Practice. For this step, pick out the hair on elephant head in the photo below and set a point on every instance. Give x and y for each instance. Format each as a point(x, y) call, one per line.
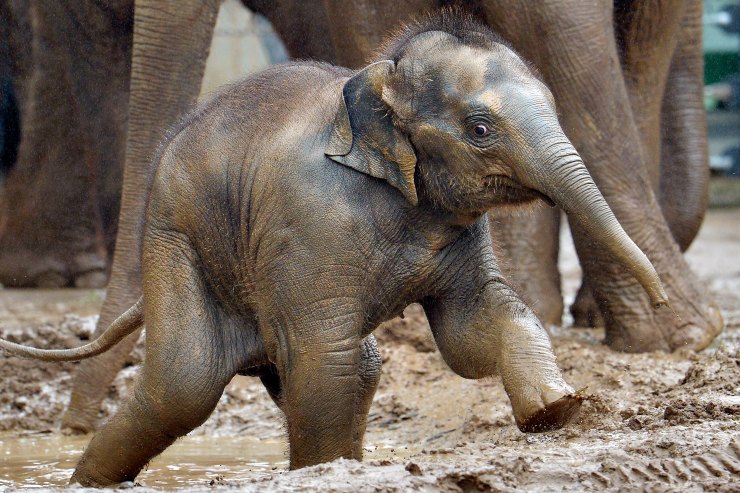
point(455, 120)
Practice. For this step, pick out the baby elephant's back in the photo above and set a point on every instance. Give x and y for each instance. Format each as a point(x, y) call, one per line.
point(283, 102)
point(248, 144)
point(272, 117)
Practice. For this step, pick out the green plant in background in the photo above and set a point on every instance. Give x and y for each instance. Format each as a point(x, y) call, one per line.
point(721, 51)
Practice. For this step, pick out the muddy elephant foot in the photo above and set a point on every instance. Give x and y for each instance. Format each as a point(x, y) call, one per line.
point(26, 269)
point(585, 311)
point(550, 409)
point(673, 328)
point(691, 321)
point(553, 416)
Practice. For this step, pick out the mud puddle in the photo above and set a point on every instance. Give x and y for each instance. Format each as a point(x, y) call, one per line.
point(48, 460)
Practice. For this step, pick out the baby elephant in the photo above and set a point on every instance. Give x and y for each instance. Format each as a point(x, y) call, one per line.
point(299, 208)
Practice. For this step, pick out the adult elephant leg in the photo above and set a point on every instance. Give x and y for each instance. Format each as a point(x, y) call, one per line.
point(302, 25)
point(193, 351)
point(60, 199)
point(170, 47)
point(646, 33)
point(358, 27)
point(684, 170)
point(576, 51)
point(527, 244)
point(663, 65)
point(585, 310)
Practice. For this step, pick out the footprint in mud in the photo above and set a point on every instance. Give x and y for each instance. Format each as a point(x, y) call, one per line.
point(716, 468)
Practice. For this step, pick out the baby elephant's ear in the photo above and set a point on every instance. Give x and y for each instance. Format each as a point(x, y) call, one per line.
point(364, 137)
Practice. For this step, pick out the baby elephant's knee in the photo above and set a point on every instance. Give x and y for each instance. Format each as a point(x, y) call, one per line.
point(178, 412)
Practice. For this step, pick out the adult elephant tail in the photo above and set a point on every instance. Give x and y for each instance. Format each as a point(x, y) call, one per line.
point(132, 319)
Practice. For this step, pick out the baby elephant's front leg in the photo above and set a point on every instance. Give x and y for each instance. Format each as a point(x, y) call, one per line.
point(369, 372)
point(484, 327)
point(328, 376)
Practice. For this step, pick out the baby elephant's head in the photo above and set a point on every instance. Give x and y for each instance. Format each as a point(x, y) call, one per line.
point(456, 121)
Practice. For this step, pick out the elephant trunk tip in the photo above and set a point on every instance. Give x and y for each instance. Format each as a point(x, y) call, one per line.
point(658, 296)
point(660, 303)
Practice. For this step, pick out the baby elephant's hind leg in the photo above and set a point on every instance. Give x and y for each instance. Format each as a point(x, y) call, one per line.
point(190, 357)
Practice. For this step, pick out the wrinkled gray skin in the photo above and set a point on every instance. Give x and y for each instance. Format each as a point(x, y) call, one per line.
point(274, 249)
point(64, 90)
point(660, 51)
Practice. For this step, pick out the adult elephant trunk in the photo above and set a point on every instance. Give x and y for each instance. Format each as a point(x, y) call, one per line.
point(556, 170)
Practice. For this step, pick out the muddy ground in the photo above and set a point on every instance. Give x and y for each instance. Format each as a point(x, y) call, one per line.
point(656, 422)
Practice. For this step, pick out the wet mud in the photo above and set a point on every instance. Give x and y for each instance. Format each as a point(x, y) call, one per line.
point(651, 422)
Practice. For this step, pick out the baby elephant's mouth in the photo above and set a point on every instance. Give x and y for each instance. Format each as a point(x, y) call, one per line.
point(509, 190)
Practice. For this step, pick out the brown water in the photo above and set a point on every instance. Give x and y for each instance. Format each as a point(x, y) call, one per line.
point(49, 460)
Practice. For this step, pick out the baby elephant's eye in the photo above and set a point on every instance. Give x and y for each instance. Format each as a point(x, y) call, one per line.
point(481, 130)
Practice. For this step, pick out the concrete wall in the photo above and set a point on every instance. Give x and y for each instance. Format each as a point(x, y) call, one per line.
point(243, 43)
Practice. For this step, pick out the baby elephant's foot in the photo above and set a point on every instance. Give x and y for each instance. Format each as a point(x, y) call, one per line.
point(547, 410)
point(553, 416)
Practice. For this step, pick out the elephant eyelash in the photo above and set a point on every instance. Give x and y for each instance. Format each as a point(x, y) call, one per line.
point(480, 116)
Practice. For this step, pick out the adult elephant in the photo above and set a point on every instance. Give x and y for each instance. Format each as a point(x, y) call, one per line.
point(575, 48)
point(660, 46)
point(64, 75)
point(64, 90)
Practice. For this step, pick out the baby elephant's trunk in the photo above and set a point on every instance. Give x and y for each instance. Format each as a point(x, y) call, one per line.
point(571, 187)
point(555, 169)
point(124, 325)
